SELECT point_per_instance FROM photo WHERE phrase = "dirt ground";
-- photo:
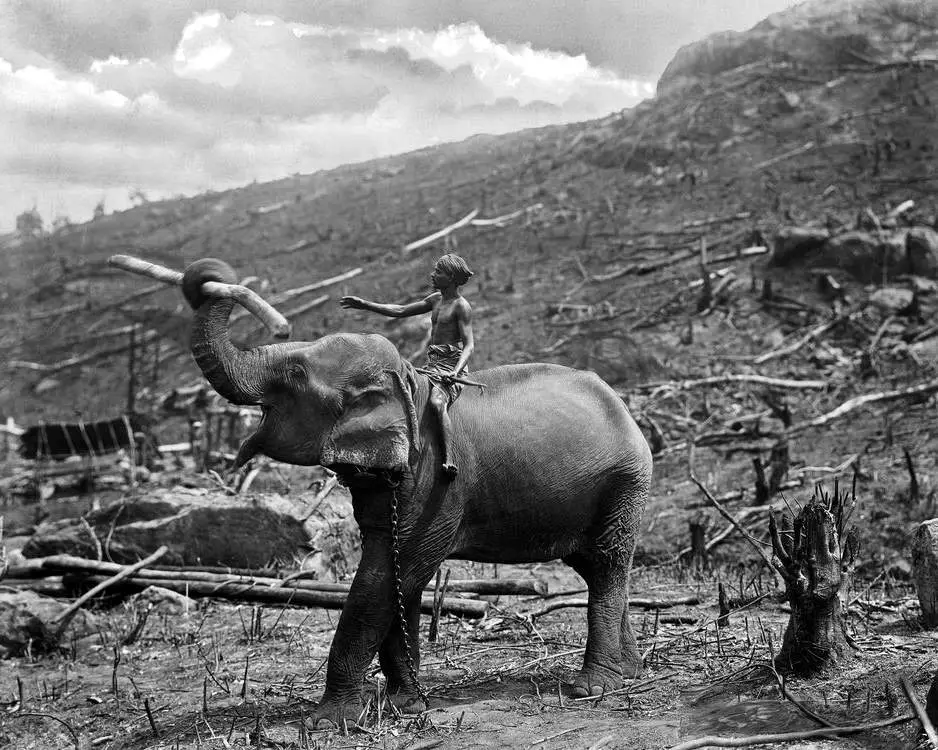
(212, 679)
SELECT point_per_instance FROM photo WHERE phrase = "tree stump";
(699, 557)
(816, 565)
(925, 570)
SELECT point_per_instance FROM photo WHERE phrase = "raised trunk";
(235, 374)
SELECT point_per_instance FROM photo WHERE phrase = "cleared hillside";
(858, 130)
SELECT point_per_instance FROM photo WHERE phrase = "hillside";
(750, 258)
(695, 163)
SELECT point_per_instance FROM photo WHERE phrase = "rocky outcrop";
(212, 528)
(868, 256)
(28, 623)
(821, 34)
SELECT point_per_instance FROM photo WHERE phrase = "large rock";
(795, 244)
(866, 255)
(869, 256)
(28, 623)
(819, 36)
(892, 300)
(925, 570)
(211, 528)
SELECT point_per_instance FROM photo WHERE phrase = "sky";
(102, 98)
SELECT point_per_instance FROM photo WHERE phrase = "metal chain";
(398, 587)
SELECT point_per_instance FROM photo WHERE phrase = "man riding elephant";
(551, 465)
(451, 339)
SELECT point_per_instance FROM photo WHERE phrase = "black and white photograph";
(411, 374)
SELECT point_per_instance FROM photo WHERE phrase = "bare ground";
(501, 681)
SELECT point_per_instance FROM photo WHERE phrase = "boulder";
(27, 623)
(793, 244)
(925, 570)
(164, 600)
(202, 527)
(867, 256)
(921, 246)
(891, 300)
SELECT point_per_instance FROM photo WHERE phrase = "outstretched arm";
(464, 319)
(392, 311)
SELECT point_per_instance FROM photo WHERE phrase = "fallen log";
(464, 221)
(106, 582)
(923, 389)
(792, 348)
(811, 385)
(57, 564)
(288, 597)
(636, 602)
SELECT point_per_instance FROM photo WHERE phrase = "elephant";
(552, 466)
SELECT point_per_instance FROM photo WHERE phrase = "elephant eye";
(368, 399)
(297, 371)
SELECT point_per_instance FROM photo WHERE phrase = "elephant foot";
(596, 680)
(450, 471)
(632, 665)
(334, 714)
(407, 703)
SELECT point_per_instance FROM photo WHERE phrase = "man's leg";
(439, 400)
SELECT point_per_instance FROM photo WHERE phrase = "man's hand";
(354, 303)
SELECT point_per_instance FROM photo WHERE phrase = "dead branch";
(125, 572)
(787, 155)
(80, 359)
(726, 514)
(295, 596)
(792, 348)
(639, 603)
(683, 385)
(766, 739)
(445, 231)
(287, 294)
(641, 269)
(716, 220)
(923, 389)
(920, 714)
(58, 564)
(501, 221)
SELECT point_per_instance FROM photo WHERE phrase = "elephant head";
(343, 400)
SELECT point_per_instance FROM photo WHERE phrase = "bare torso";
(444, 320)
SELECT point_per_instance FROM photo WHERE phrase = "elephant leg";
(392, 656)
(439, 402)
(365, 621)
(632, 664)
(607, 580)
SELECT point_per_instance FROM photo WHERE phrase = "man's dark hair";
(455, 267)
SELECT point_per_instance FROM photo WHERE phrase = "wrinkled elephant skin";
(552, 466)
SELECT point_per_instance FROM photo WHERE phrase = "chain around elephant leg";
(399, 593)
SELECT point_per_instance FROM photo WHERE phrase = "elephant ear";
(377, 427)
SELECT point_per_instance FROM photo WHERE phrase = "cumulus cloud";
(257, 97)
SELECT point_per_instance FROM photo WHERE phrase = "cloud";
(257, 97)
(634, 38)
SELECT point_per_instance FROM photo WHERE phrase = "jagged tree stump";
(815, 560)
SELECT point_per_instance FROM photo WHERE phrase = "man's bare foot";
(450, 471)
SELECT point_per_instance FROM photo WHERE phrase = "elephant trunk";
(237, 375)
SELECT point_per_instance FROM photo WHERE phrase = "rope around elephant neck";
(398, 588)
